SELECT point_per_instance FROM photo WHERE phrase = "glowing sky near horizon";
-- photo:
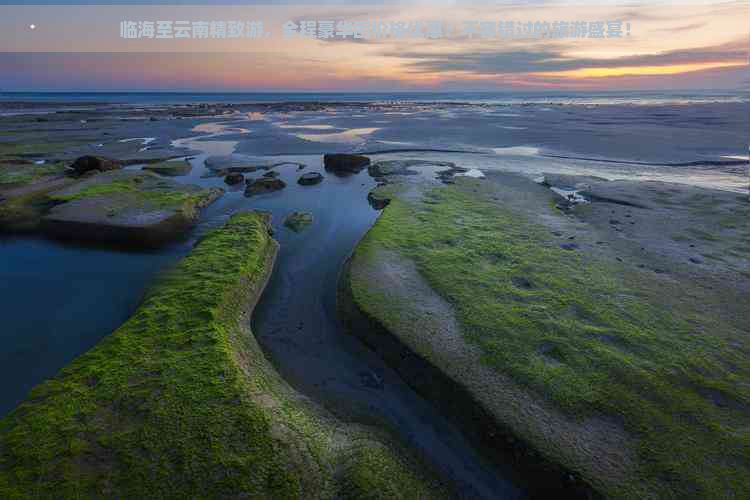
(78, 48)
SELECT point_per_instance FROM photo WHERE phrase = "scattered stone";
(695, 260)
(298, 221)
(88, 163)
(569, 246)
(234, 178)
(310, 179)
(263, 185)
(345, 163)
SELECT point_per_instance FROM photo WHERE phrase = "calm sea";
(510, 98)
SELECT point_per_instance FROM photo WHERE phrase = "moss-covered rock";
(137, 208)
(629, 380)
(179, 402)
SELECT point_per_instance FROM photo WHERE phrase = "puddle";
(351, 136)
(517, 151)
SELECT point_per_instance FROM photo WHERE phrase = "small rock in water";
(263, 185)
(298, 221)
(695, 260)
(271, 173)
(234, 178)
(310, 178)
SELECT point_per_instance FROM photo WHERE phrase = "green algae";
(586, 333)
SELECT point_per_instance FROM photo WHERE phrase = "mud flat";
(180, 402)
(601, 358)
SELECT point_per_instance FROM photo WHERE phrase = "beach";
(657, 184)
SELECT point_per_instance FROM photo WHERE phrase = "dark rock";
(695, 260)
(569, 246)
(234, 178)
(89, 163)
(263, 185)
(310, 178)
(345, 163)
(271, 173)
(378, 202)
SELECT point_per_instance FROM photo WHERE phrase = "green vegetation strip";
(585, 333)
(180, 403)
(146, 188)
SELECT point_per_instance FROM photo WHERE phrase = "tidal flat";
(580, 300)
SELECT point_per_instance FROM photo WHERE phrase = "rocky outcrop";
(342, 164)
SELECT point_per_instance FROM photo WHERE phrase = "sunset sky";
(78, 47)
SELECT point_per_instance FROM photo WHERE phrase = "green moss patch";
(587, 333)
(140, 188)
(14, 175)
